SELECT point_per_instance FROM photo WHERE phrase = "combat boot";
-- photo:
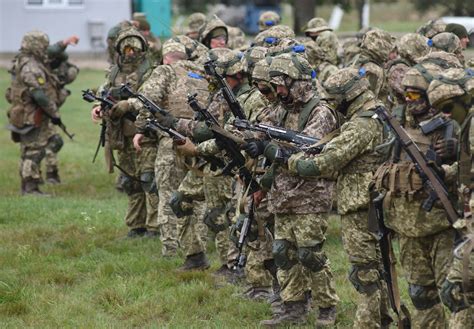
(326, 317)
(195, 262)
(52, 177)
(292, 313)
(256, 293)
(136, 232)
(30, 186)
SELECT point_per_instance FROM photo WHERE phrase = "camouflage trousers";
(32, 152)
(142, 206)
(458, 289)
(426, 261)
(218, 194)
(192, 232)
(168, 177)
(302, 264)
(52, 150)
(364, 255)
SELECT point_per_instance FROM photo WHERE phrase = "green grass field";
(65, 263)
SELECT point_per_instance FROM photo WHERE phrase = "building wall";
(16, 19)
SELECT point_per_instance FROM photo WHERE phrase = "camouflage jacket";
(352, 156)
(396, 70)
(291, 194)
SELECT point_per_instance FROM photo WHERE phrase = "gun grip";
(428, 203)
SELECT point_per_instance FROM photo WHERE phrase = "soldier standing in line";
(354, 155)
(33, 97)
(137, 169)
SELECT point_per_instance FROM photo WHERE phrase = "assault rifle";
(384, 237)
(106, 103)
(62, 126)
(302, 141)
(154, 125)
(431, 180)
(127, 91)
(237, 111)
(229, 145)
(244, 232)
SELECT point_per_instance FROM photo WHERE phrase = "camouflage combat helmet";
(261, 71)
(230, 63)
(378, 44)
(268, 19)
(196, 21)
(412, 46)
(346, 84)
(447, 41)
(35, 43)
(273, 36)
(431, 28)
(194, 49)
(293, 65)
(316, 25)
(212, 29)
(416, 78)
(252, 56)
(451, 83)
(440, 60)
(172, 46)
(236, 38)
(130, 37)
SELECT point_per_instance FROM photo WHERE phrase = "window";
(54, 3)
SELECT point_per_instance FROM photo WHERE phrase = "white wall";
(16, 19)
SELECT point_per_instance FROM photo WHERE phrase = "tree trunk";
(360, 11)
(303, 11)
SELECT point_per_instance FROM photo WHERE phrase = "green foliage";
(66, 264)
(453, 7)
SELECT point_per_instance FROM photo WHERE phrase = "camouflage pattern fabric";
(302, 231)
(362, 248)
(268, 19)
(51, 157)
(236, 38)
(32, 151)
(426, 261)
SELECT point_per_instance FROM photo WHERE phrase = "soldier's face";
(218, 42)
(282, 91)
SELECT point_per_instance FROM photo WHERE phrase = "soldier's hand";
(119, 109)
(72, 40)
(258, 197)
(166, 120)
(137, 140)
(446, 148)
(96, 114)
(56, 121)
(187, 149)
(254, 148)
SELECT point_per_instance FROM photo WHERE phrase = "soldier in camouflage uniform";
(33, 97)
(300, 222)
(354, 156)
(195, 22)
(431, 28)
(452, 93)
(320, 61)
(214, 34)
(154, 43)
(236, 38)
(273, 36)
(374, 50)
(410, 47)
(112, 34)
(449, 43)
(168, 87)
(317, 29)
(426, 238)
(137, 174)
(66, 73)
(268, 19)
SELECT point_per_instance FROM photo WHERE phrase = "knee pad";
(360, 277)
(423, 297)
(148, 182)
(280, 250)
(312, 258)
(55, 143)
(35, 156)
(453, 297)
(210, 219)
(129, 186)
(176, 205)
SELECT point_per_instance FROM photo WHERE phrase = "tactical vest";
(24, 111)
(188, 82)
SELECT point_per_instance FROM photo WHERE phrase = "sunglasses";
(413, 95)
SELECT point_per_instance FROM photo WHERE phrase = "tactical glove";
(446, 148)
(255, 148)
(167, 120)
(119, 109)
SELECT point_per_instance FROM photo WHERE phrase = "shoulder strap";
(306, 112)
